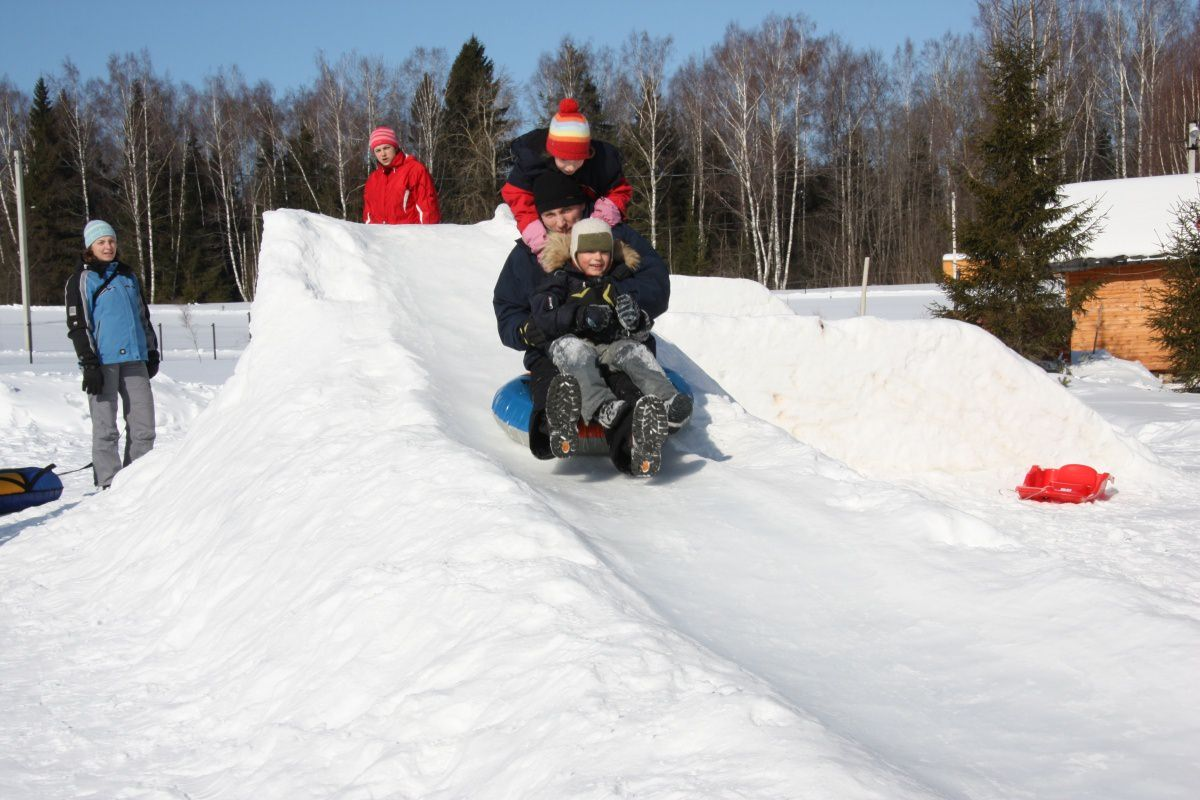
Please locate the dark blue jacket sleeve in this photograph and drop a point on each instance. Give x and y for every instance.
(511, 297)
(650, 283)
(553, 311)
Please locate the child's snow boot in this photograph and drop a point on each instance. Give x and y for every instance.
(610, 412)
(679, 411)
(563, 407)
(648, 432)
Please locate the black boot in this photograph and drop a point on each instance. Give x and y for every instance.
(563, 406)
(679, 411)
(646, 437)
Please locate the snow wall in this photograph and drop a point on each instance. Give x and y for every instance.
(934, 402)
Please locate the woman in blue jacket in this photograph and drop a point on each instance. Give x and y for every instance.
(109, 323)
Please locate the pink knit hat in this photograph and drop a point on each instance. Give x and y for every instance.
(384, 135)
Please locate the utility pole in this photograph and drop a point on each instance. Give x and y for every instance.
(23, 243)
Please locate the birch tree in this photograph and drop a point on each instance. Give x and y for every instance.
(643, 116)
(224, 136)
(145, 135)
(424, 74)
(757, 90)
(340, 130)
(12, 131)
(81, 128)
(571, 70)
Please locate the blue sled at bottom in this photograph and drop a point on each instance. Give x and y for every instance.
(42, 486)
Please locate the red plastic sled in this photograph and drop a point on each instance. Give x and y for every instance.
(1071, 483)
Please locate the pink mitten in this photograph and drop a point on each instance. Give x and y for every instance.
(535, 236)
(607, 210)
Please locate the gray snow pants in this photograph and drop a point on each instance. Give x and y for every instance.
(131, 383)
(583, 359)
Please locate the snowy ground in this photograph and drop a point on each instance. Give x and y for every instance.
(335, 577)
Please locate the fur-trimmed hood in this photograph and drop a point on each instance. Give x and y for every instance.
(557, 253)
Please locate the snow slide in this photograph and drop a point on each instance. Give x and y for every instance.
(345, 582)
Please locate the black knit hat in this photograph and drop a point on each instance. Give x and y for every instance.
(552, 190)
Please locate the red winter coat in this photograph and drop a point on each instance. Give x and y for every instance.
(401, 194)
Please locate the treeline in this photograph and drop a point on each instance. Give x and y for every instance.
(780, 154)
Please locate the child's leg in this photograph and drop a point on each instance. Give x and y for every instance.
(579, 358)
(636, 361)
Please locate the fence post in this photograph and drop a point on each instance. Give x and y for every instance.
(19, 181)
(862, 303)
(214, 330)
(162, 350)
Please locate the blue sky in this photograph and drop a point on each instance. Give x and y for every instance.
(277, 41)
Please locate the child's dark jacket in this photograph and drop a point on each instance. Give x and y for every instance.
(523, 277)
(602, 175)
(566, 288)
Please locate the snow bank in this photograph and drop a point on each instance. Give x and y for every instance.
(324, 588)
(737, 298)
(345, 582)
(931, 401)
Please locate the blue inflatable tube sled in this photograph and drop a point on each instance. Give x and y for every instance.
(27, 487)
(512, 407)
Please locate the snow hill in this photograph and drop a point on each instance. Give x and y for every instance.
(343, 581)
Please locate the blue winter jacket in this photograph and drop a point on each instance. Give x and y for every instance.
(107, 318)
(523, 275)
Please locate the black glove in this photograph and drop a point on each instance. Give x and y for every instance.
(628, 312)
(593, 318)
(93, 378)
(152, 360)
(641, 331)
(531, 334)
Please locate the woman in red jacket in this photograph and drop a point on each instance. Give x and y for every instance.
(399, 191)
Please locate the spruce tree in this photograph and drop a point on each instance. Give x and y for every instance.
(475, 126)
(1018, 228)
(1177, 318)
(308, 181)
(54, 229)
(201, 268)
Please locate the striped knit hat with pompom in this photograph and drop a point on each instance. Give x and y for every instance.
(383, 135)
(569, 137)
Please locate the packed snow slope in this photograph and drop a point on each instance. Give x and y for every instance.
(345, 582)
(952, 403)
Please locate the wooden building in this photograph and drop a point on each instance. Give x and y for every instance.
(1133, 219)
(1127, 257)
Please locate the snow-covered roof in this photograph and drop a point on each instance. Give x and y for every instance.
(1134, 215)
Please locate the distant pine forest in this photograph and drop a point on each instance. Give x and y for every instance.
(780, 154)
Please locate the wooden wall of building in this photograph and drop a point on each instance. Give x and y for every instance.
(1117, 318)
(1120, 310)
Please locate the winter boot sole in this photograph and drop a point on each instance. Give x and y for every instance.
(564, 404)
(649, 431)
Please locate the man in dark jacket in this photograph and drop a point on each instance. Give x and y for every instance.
(560, 204)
